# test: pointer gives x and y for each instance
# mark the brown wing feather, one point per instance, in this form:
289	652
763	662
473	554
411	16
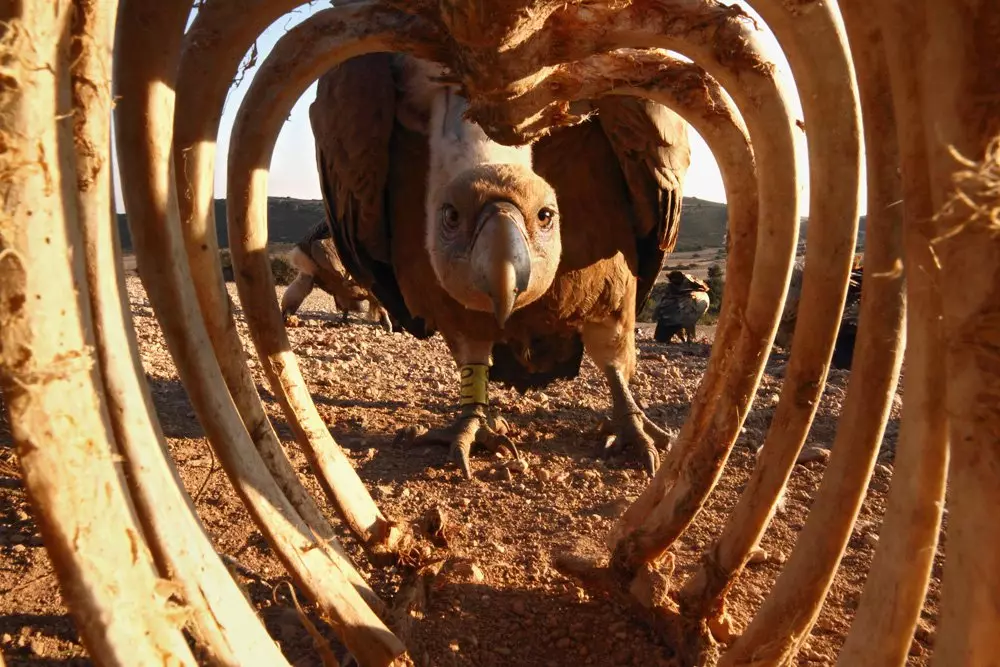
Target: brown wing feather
353	119
651	143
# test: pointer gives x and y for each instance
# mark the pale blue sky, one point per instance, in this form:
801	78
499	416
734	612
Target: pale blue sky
293	169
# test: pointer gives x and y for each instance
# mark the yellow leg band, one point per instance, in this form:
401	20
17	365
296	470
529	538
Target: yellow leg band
474	379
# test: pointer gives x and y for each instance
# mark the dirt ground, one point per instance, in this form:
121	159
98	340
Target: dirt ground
367	384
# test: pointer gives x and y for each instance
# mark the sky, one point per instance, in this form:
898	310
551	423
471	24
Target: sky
293	167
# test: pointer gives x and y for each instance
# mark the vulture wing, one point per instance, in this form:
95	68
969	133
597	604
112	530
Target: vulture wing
353	119
651	143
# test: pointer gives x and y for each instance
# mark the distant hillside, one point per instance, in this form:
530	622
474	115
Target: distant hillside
703	223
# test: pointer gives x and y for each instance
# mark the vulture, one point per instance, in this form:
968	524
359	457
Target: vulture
319	265
520	257
843	349
683	303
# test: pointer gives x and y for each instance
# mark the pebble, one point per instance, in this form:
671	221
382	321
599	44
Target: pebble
812	454
757	556
871	539
18	548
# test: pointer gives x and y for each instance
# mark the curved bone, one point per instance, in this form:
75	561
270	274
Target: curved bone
897	582
816	46
213	47
47	367
651	524
883	625
144	118
288	70
688	90
960	87
827	530
225	624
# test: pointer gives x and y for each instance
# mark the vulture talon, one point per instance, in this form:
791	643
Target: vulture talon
473	427
637	432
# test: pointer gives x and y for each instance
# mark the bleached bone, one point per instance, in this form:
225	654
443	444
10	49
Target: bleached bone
144	71
213	47
814	41
690	91
959	76
784	621
52	388
226	626
654	520
882	630
904	557
279	83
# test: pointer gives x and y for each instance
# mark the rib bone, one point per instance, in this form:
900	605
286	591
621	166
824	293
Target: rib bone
817	49
288	70
213	46
683	482
225	624
144	121
960	89
52	389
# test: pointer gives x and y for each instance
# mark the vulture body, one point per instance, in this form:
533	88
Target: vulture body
521	257
683	303
319	265
843	348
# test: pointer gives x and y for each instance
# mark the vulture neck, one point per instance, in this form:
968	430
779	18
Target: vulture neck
457	144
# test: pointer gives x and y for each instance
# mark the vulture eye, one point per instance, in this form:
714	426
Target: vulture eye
449	216
546	216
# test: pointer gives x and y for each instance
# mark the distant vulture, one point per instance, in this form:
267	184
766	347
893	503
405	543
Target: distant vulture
683	303
843	350
521	257
319	266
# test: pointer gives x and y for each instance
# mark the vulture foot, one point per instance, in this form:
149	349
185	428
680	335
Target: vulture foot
474	426
636	432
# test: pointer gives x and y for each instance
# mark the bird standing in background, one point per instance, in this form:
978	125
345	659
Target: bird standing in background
843	348
521	257
683	303
319	266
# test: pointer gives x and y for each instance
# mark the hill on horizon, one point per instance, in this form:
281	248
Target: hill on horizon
703	223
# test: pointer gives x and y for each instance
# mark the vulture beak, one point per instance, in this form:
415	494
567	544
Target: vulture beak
500	257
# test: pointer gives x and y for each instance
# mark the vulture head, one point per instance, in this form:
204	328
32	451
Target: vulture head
494	238
683	282
492	222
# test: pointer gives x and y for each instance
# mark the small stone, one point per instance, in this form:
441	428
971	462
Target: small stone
813	454
6	638
18	548
721	627
871	539
916	649
757	556
518	465
542	475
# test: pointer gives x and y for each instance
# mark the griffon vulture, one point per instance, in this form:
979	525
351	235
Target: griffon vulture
843	349
683	303
319	265
521	257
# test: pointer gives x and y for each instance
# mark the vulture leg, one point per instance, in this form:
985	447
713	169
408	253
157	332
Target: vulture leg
475	424
612	347
296	294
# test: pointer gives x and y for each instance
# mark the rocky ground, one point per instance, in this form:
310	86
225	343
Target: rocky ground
513	607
